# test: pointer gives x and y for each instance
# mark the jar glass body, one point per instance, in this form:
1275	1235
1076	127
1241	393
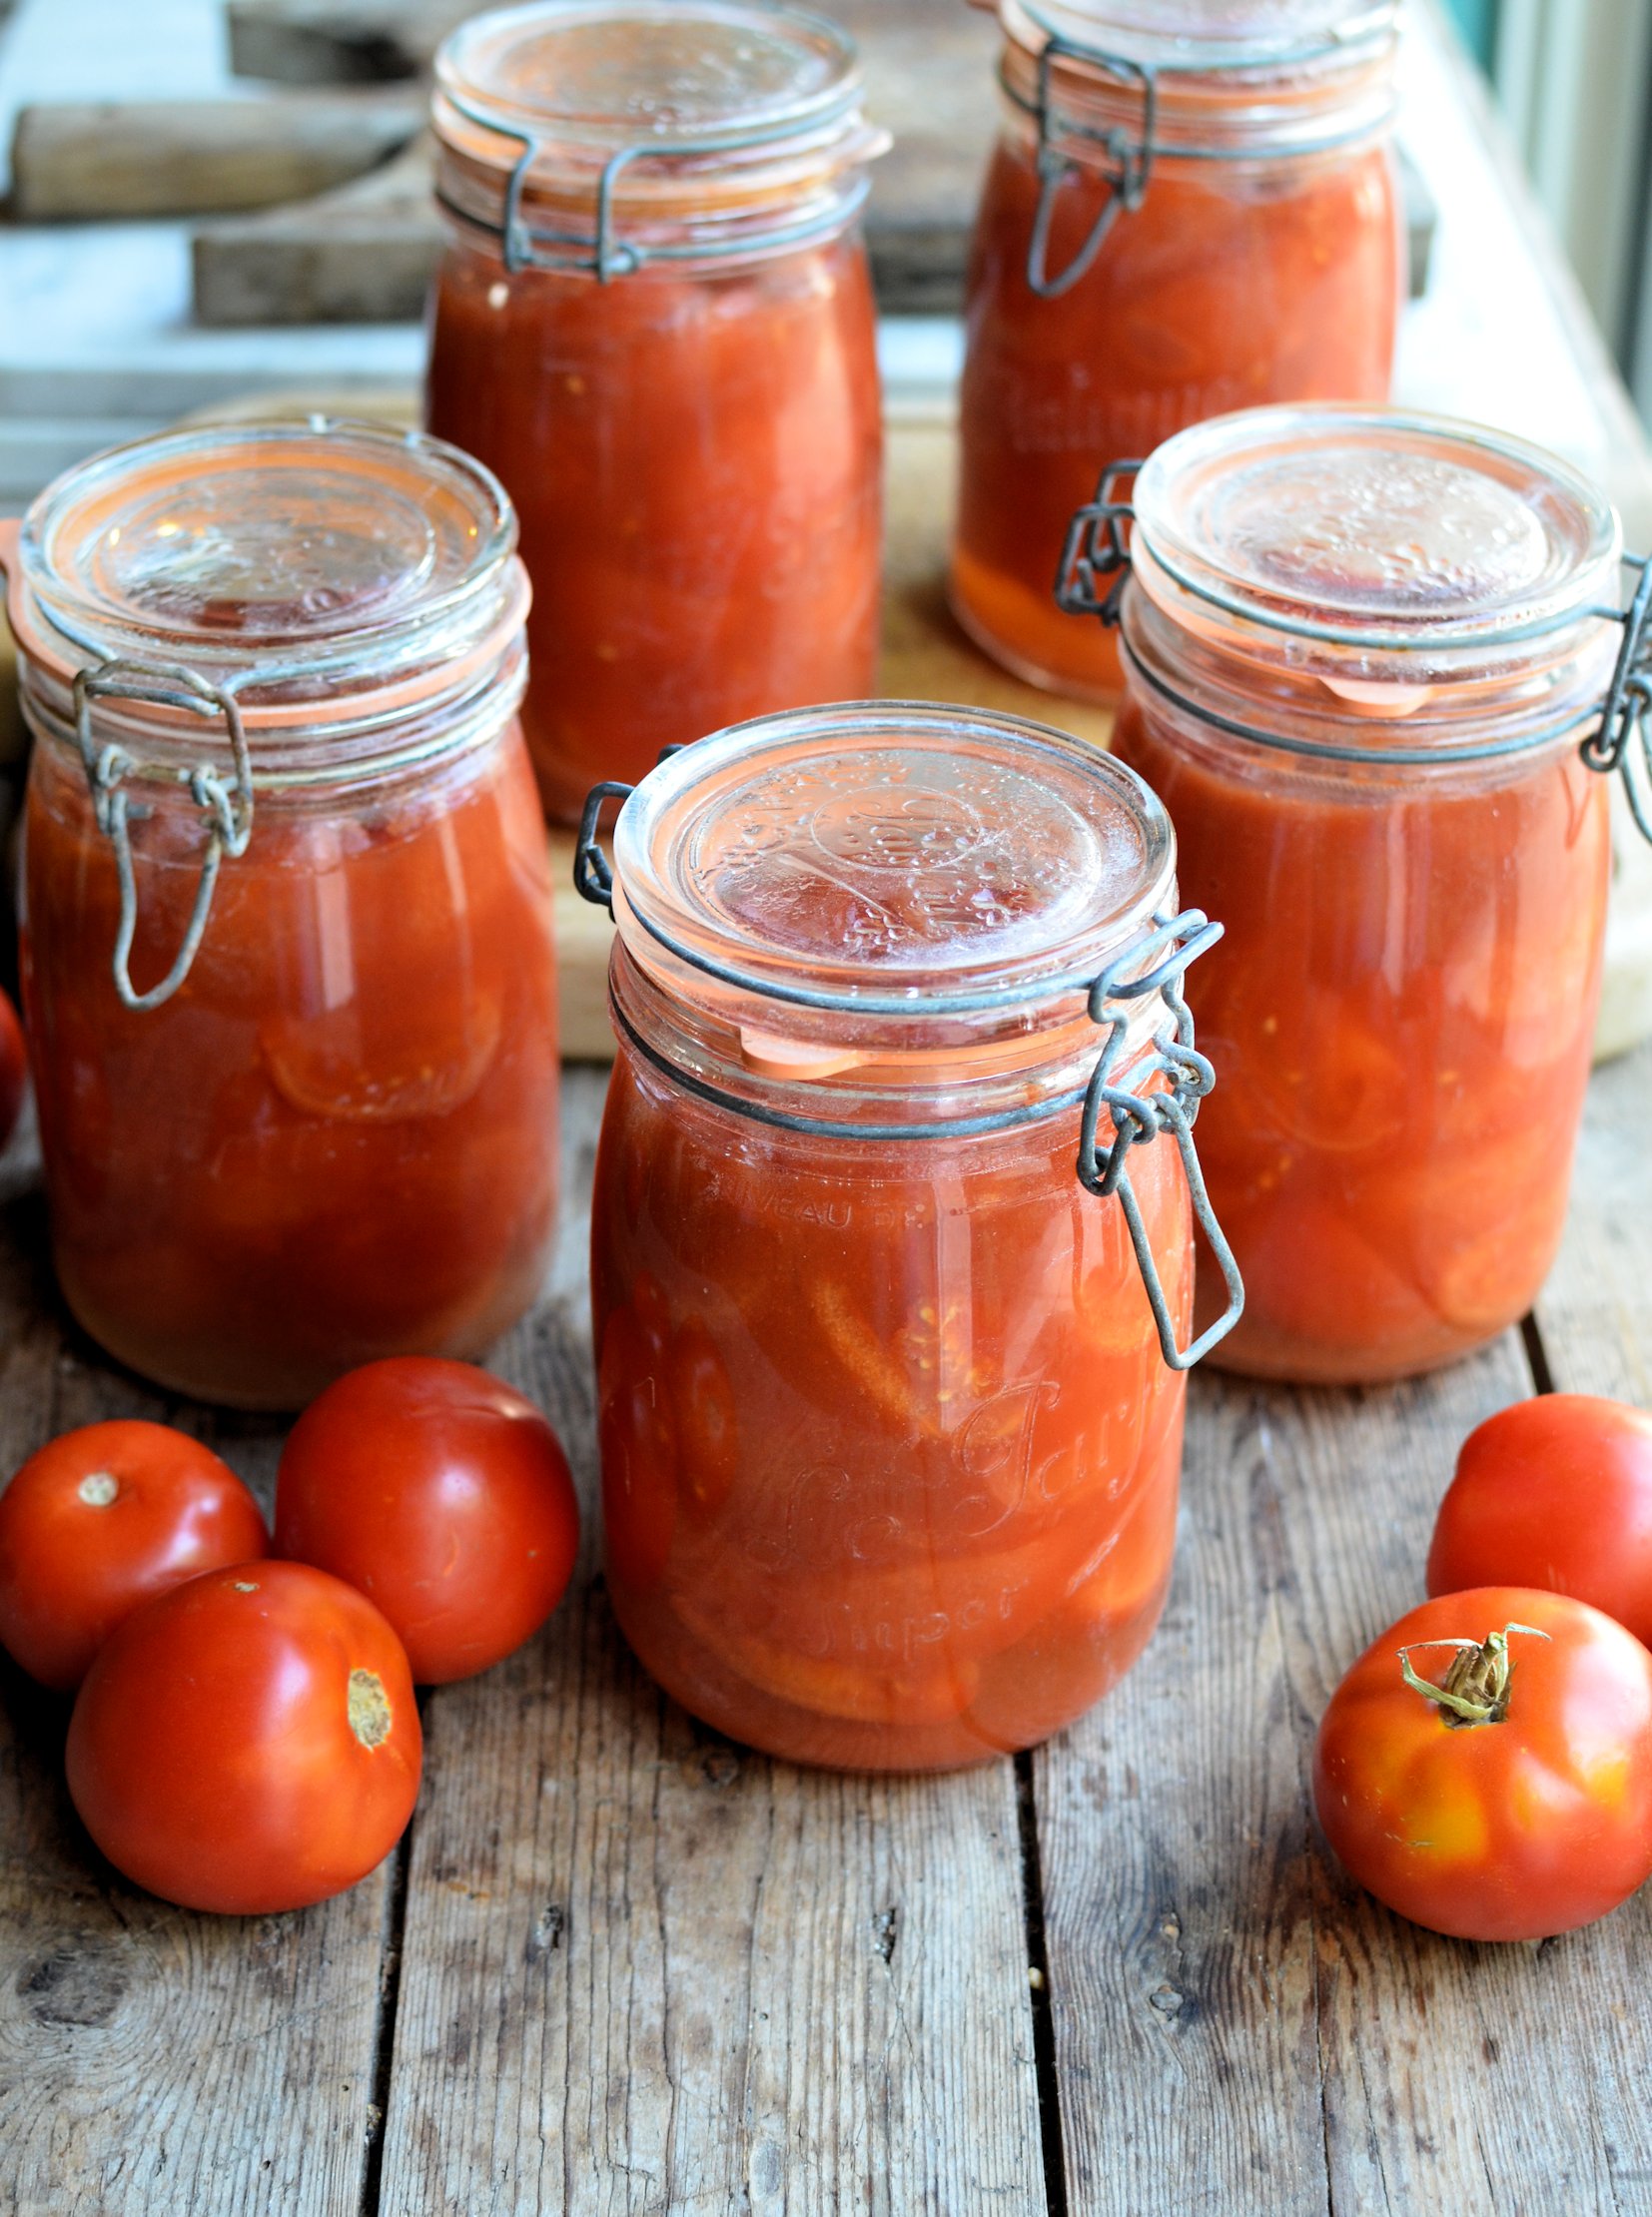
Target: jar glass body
338	1140
1234	283
695	456
890	1452
1401	1016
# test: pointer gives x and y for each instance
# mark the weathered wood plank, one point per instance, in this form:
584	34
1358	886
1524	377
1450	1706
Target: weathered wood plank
1595	1314
644	1971
1236	2026
362	254
130	158
151	2059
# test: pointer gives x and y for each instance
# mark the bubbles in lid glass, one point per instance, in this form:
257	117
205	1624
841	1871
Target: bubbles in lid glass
888	861
231	552
220	544
1370	526
1377	533
894	845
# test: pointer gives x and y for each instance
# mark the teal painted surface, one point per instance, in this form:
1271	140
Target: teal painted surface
1477	21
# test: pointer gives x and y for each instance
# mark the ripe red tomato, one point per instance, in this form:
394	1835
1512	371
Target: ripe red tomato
100	1520
444	1496
249	1742
1554	1492
14	1069
1531	1819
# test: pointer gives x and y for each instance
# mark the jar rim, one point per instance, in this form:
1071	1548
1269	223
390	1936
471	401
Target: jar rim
1374	531
323	572
494	68
1207	41
889	859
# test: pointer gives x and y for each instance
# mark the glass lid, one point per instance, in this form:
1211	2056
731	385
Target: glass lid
1202	35
619	73
880	855
268	553
1371	531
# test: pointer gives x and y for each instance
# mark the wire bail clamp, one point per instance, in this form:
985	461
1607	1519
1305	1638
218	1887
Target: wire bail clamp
226	807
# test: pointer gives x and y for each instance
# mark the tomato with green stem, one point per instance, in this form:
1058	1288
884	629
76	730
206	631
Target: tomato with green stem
1485	1767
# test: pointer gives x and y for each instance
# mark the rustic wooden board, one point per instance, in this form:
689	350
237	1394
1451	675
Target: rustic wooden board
643	1969
1595	1315
638	1970
1231	2013
153	2060
142	158
362	254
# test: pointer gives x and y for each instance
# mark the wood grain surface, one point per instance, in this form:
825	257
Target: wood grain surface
144	157
153	2060
628	1966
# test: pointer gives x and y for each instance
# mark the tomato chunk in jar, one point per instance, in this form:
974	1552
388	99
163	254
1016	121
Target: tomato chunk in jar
683	402
1363	651
1260	262
890	1447
326	1131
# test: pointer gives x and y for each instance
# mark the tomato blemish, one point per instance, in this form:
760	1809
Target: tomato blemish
370	1708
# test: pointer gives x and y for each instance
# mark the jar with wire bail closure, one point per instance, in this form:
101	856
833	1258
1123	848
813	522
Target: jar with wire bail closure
1375	662
655	322
892	1244
286	953
1192	208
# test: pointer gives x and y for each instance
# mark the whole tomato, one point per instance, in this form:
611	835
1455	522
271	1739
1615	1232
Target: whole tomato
444	1496
249	1742
14	1069
1554	1492
1485	1767
101	1519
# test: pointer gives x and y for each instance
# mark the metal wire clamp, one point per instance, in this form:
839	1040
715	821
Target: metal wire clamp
1125	163
226	808
1623	715
1095	548
1139	1116
608	255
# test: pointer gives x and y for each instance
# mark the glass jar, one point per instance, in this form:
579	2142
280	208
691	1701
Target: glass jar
1192	208
890	1425
286	928
1363	651
655	322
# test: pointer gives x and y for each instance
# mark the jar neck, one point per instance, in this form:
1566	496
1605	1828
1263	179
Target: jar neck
608	214
1087	105
1405	711
814	1075
160	745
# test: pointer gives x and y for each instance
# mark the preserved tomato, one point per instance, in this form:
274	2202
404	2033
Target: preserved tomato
1261	262
1392	1143
909	1499
329	1134
685	409
1412	862
890	1445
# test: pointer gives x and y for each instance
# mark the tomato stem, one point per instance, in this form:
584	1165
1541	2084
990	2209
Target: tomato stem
1476	1688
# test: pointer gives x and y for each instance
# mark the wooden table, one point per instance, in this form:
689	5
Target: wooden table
620	1965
